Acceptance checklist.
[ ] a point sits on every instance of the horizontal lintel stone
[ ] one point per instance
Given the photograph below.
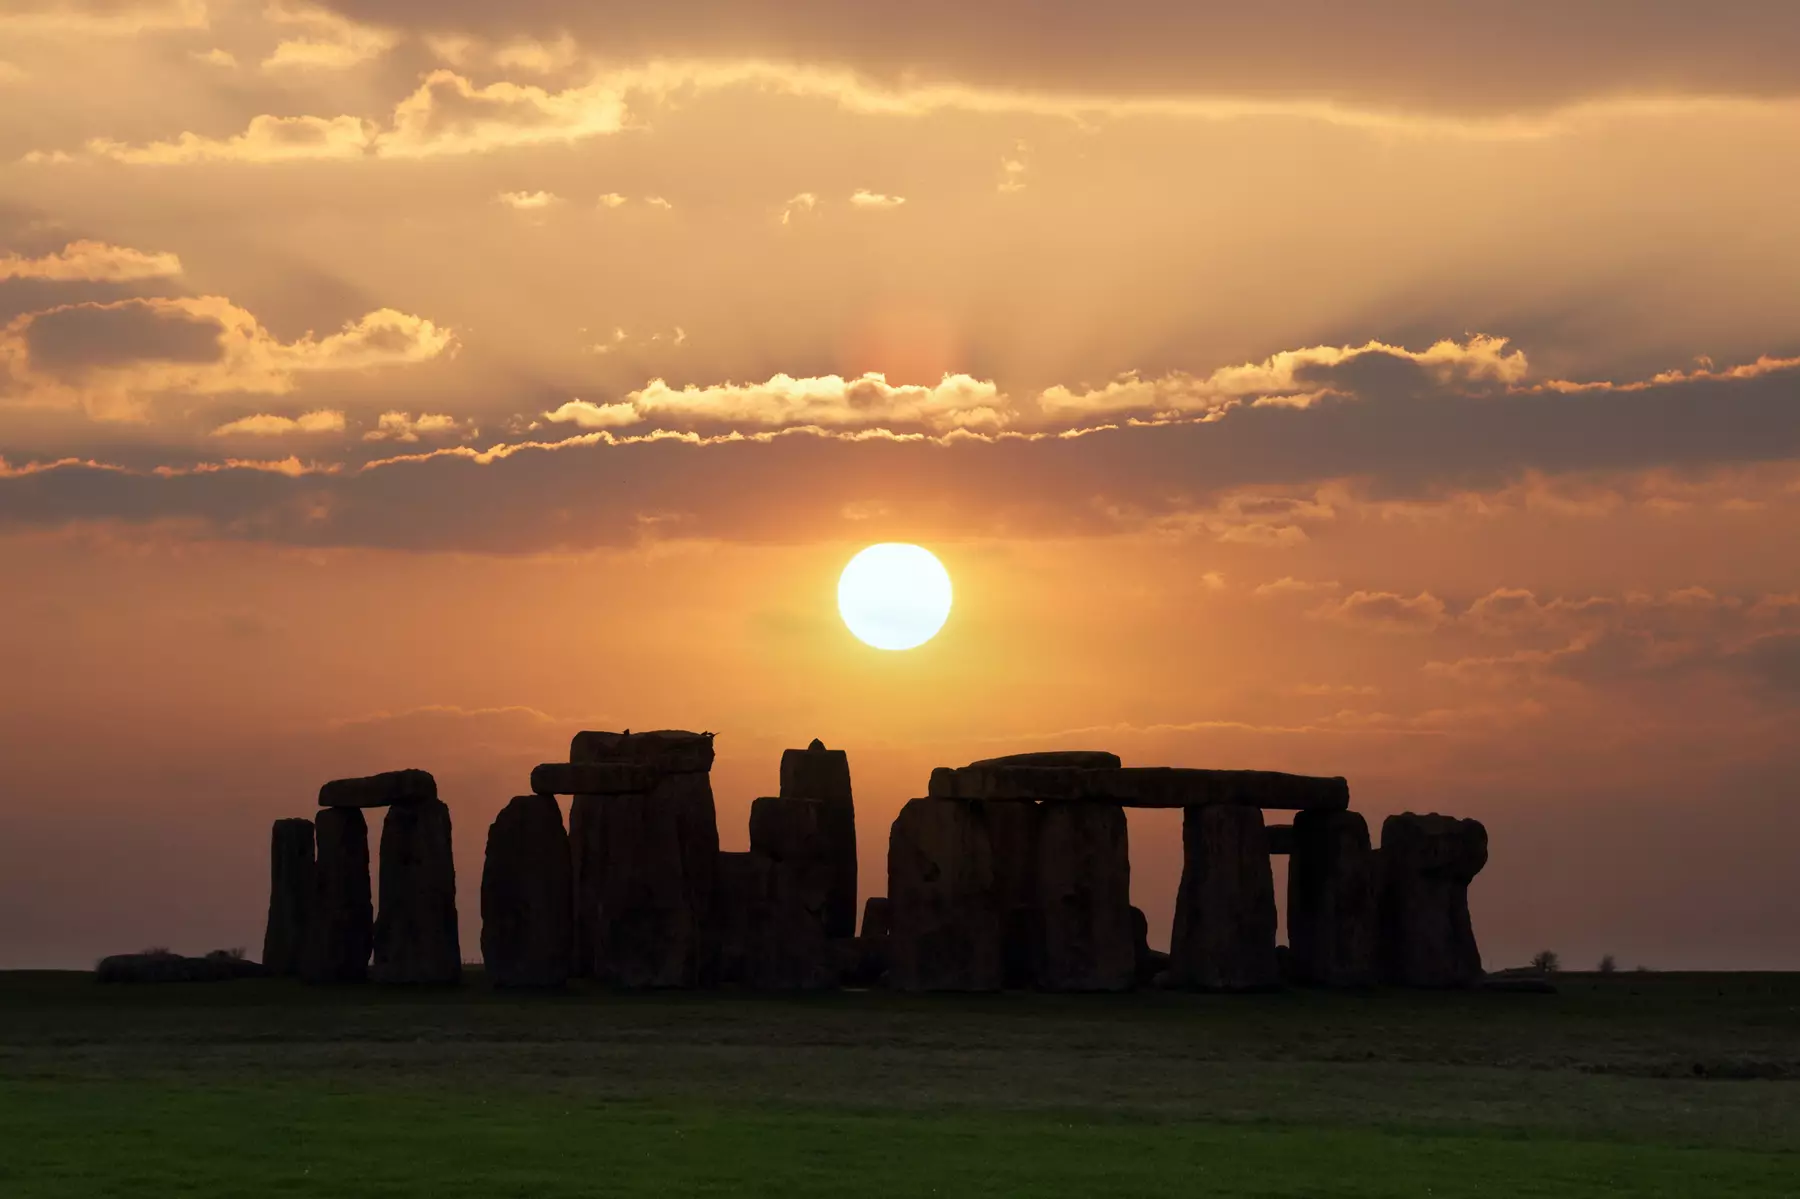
(379, 790)
(1142, 786)
(590, 778)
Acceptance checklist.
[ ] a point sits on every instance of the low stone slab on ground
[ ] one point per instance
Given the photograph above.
(1140, 786)
(379, 790)
(590, 778)
(160, 967)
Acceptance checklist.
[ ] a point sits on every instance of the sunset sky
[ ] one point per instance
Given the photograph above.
(1408, 391)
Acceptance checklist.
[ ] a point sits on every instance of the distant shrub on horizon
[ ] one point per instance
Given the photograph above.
(1547, 961)
(1609, 964)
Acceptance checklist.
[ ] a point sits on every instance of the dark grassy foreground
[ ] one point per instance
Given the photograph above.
(1630, 1085)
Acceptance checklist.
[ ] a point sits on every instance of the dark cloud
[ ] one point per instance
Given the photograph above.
(72, 338)
(1475, 58)
(802, 485)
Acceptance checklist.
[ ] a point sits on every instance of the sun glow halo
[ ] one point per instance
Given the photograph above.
(894, 596)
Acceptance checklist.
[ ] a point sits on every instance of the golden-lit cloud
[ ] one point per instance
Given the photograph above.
(102, 18)
(216, 57)
(91, 261)
(957, 401)
(799, 204)
(267, 425)
(404, 427)
(325, 40)
(1385, 610)
(863, 198)
(611, 200)
(528, 201)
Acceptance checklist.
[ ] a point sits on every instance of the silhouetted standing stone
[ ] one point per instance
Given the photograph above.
(1331, 911)
(339, 926)
(416, 939)
(770, 937)
(1225, 911)
(1012, 831)
(946, 917)
(1148, 962)
(1083, 880)
(290, 896)
(647, 867)
(877, 916)
(527, 896)
(586, 855)
(798, 838)
(824, 775)
(1427, 862)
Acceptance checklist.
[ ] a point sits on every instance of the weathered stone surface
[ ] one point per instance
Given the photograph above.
(1331, 908)
(1012, 832)
(527, 896)
(793, 832)
(160, 966)
(1225, 911)
(1141, 786)
(379, 790)
(290, 896)
(666, 751)
(340, 924)
(877, 918)
(824, 774)
(794, 948)
(770, 937)
(1427, 862)
(1281, 839)
(1149, 962)
(946, 932)
(416, 937)
(1083, 888)
(644, 883)
(590, 778)
(1080, 759)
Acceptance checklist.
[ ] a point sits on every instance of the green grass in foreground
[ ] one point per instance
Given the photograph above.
(1632, 1086)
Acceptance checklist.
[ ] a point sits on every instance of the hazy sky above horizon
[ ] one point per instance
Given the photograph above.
(1405, 391)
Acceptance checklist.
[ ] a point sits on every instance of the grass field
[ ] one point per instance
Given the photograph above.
(1627, 1085)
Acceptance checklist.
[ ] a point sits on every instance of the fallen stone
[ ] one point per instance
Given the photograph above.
(876, 921)
(1080, 759)
(379, 790)
(1332, 901)
(1083, 897)
(290, 896)
(1148, 963)
(527, 896)
(1281, 839)
(824, 775)
(644, 883)
(1224, 937)
(160, 966)
(1141, 786)
(666, 751)
(590, 778)
(340, 923)
(416, 937)
(946, 917)
(1425, 936)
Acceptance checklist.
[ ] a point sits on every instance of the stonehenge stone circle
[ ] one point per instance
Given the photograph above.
(1224, 938)
(590, 778)
(1012, 833)
(946, 924)
(416, 936)
(340, 923)
(379, 790)
(824, 775)
(1331, 907)
(1138, 786)
(1083, 897)
(1426, 865)
(527, 896)
(290, 896)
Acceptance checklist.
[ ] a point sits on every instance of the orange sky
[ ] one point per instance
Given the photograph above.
(1413, 397)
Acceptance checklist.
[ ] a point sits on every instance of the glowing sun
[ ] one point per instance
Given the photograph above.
(894, 596)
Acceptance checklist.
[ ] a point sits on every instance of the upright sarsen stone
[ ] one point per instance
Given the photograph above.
(945, 933)
(645, 883)
(416, 938)
(1083, 890)
(1426, 863)
(340, 923)
(1224, 936)
(290, 896)
(527, 896)
(822, 774)
(1012, 833)
(587, 856)
(1331, 911)
(797, 839)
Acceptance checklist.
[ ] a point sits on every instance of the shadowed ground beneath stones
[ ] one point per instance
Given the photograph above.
(1636, 1084)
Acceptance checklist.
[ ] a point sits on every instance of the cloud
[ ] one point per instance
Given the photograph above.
(1385, 610)
(658, 202)
(612, 200)
(91, 261)
(1293, 586)
(800, 204)
(102, 18)
(525, 201)
(329, 41)
(957, 401)
(585, 415)
(1012, 170)
(215, 58)
(112, 357)
(862, 198)
(401, 426)
(267, 425)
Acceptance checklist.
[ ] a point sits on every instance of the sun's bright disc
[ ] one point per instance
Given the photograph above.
(894, 596)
